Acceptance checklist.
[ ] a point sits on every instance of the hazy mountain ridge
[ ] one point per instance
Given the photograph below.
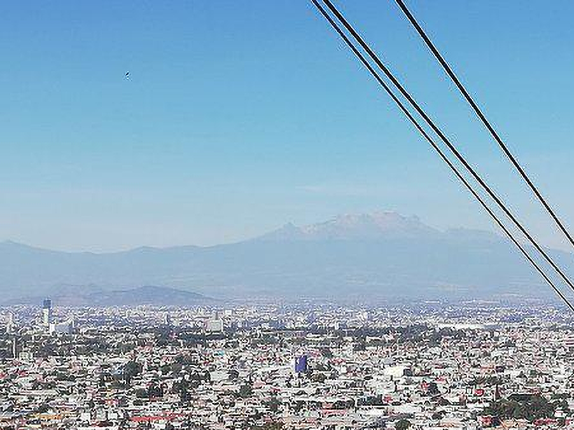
(382, 254)
(94, 296)
(375, 226)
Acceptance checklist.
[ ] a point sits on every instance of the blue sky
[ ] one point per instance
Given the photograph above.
(241, 116)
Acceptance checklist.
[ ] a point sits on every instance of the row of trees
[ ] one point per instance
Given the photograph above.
(529, 407)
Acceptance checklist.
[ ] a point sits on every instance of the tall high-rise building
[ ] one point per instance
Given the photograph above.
(301, 364)
(47, 312)
(215, 324)
(10, 325)
(167, 319)
(14, 347)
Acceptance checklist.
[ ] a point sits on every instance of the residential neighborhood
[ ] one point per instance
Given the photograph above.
(306, 366)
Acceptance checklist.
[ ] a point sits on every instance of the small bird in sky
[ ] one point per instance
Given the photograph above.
(127, 75)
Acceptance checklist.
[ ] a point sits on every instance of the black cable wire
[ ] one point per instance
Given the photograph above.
(442, 155)
(448, 69)
(446, 141)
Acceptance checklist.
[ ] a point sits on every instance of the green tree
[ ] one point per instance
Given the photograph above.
(131, 369)
(402, 424)
(245, 391)
(529, 407)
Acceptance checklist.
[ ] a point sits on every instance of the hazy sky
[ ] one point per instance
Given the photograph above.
(240, 116)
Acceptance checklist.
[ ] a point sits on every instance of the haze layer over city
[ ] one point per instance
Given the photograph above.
(288, 214)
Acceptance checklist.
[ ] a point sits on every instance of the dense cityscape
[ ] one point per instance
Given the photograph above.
(286, 215)
(307, 366)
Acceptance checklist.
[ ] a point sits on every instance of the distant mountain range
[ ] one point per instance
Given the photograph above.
(95, 296)
(369, 227)
(368, 256)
